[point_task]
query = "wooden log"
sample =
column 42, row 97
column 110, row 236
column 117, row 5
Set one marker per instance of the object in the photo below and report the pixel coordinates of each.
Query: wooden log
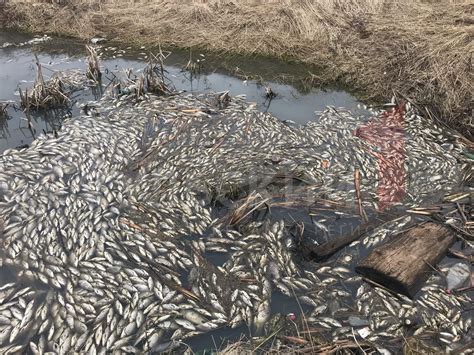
column 405, row 262
column 324, row 251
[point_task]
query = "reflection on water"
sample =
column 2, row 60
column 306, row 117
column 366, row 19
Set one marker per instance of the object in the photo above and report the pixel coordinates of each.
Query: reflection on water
column 17, row 70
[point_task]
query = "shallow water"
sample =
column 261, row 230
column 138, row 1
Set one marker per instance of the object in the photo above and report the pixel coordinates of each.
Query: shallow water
column 17, row 70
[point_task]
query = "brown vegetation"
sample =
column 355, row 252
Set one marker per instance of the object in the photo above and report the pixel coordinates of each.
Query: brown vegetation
column 44, row 94
column 417, row 49
column 93, row 68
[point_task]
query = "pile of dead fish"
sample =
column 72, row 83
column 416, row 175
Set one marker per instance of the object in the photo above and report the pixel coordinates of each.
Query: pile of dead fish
column 36, row 40
column 107, row 228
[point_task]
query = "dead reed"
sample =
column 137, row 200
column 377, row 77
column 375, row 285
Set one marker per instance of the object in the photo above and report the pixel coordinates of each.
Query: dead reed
column 155, row 75
column 303, row 340
column 194, row 66
column 93, row 69
column 44, row 94
column 244, row 208
column 153, row 80
column 3, row 109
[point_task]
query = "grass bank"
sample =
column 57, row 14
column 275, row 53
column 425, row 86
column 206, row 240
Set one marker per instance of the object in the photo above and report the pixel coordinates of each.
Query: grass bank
column 417, row 49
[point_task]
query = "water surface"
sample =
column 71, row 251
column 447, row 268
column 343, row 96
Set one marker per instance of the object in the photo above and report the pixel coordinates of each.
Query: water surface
column 17, row 70
column 293, row 102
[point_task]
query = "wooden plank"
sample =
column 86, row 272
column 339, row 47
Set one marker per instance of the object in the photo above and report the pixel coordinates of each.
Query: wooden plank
column 405, row 262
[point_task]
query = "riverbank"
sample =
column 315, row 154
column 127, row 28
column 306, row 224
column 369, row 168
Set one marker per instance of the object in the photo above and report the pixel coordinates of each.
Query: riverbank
column 416, row 50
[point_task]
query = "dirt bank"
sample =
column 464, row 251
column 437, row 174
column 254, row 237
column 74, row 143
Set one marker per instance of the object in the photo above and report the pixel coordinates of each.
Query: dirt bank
column 421, row 50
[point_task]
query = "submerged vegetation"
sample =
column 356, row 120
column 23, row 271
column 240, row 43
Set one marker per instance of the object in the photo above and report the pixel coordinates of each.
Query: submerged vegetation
column 420, row 50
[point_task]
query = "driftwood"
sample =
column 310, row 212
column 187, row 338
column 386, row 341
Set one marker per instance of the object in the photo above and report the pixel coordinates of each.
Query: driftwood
column 358, row 195
column 326, row 250
column 405, row 262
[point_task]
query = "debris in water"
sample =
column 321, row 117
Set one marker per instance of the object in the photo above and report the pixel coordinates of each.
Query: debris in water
column 458, row 275
column 98, row 40
column 38, row 40
column 269, row 93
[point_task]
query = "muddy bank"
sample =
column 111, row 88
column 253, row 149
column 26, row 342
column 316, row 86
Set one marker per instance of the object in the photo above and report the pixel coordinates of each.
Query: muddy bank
column 417, row 50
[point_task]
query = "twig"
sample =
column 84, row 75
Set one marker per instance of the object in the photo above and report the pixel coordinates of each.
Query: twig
column 434, row 269
column 355, row 339
column 362, row 213
column 461, row 212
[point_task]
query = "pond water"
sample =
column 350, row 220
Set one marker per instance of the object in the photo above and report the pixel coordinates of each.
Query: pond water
column 294, row 102
column 18, row 70
column 240, row 76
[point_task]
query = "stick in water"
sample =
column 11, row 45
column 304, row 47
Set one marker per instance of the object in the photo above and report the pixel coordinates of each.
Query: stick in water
column 359, row 199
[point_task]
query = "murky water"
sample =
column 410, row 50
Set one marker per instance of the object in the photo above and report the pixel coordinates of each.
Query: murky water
column 17, row 70
column 292, row 102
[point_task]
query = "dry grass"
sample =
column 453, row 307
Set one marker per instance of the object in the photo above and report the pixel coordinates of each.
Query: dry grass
column 155, row 75
column 244, row 208
column 295, row 345
column 417, row 49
